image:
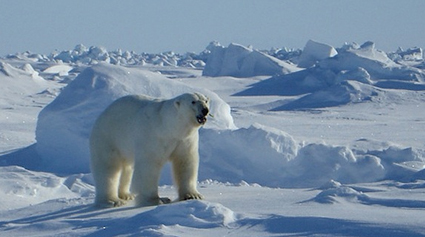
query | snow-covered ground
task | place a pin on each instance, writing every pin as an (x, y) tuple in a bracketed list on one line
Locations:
[(322, 141)]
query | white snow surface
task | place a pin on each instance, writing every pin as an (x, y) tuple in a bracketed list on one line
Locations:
[(335, 149)]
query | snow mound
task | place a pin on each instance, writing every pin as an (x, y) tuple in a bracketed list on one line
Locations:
[(306, 81), (193, 213), (359, 74), (18, 84), (297, 83), (340, 94), (330, 196), (401, 164), (239, 61), (320, 88), (256, 155), (374, 61), (271, 157), (63, 127), (20, 187), (344, 193), (26, 71), (316, 164), (314, 52), (60, 69), (167, 220)]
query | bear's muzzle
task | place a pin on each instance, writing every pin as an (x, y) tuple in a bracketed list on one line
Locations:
[(202, 118)]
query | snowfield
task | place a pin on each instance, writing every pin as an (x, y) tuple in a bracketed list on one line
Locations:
[(322, 141)]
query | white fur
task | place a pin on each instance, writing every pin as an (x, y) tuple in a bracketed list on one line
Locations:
[(140, 134)]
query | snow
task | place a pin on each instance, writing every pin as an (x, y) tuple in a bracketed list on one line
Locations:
[(62, 70), (21, 187), (314, 52), (374, 61), (335, 149), (239, 61)]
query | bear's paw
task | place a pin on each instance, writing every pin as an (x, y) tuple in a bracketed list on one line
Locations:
[(126, 196), (190, 196), (111, 203), (164, 200)]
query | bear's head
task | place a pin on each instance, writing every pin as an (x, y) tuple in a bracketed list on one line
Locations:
[(195, 105)]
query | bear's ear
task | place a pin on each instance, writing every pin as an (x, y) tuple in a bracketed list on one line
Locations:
[(177, 103)]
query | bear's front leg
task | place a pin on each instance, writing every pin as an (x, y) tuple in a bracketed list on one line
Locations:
[(185, 170)]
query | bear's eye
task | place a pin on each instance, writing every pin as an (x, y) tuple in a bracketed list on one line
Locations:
[(193, 102)]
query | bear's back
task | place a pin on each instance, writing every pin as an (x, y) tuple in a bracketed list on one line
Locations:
[(128, 105), (122, 112), (126, 117)]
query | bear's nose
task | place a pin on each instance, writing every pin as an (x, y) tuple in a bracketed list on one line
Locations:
[(205, 111)]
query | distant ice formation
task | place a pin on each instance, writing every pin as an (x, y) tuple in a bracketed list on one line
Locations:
[(239, 61)]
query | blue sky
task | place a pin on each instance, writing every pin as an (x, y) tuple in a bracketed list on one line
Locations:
[(189, 25)]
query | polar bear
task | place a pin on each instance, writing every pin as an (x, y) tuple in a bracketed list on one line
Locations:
[(132, 140)]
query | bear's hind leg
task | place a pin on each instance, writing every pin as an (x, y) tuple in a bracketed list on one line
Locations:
[(145, 183), (107, 177), (125, 182)]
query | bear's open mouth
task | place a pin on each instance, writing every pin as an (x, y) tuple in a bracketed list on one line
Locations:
[(201, 119)]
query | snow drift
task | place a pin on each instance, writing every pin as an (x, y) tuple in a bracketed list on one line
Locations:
[(63, 127), (29, 187), (17, 81), (256, 154), (273, 158), (239, 61), (355, 74), (374, 61), (338, 94)]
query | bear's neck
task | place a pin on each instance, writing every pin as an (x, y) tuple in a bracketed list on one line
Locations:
[(178, 126)]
